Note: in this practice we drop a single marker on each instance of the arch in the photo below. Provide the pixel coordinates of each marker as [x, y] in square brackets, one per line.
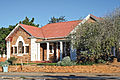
[20, 38]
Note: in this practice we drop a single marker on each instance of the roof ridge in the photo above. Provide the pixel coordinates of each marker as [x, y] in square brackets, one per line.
[66, 21]
[30, 25]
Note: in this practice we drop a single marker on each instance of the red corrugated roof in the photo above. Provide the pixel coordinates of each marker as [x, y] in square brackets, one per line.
[52, 30]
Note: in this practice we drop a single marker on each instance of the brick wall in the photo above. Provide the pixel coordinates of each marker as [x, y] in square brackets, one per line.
[76, 69]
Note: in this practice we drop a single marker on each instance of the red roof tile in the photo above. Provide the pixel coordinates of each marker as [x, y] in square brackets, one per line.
[52, 30]
[96, 17]
[34, 31]
[60, 29]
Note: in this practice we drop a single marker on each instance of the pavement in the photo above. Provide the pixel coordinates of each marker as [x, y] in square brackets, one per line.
[58, 76]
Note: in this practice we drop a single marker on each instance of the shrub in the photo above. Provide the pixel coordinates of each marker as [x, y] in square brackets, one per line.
[11, 60]
[85, 57]
[6, 63]
[101, 61]
[66, 61]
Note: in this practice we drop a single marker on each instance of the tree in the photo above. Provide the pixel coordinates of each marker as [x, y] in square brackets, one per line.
[56, 20]
[98, 38]
[27, 21]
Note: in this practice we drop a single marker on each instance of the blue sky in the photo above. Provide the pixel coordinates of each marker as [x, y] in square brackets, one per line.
[13, 11]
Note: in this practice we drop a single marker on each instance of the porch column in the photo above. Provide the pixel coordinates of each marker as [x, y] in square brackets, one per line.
[24, 50]
[47, 51]
[17, 49]
[57, 50]
[8, 49]
[61, 50]
[38, 51]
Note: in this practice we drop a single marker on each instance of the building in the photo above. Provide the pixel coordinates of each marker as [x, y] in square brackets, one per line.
[48, 43]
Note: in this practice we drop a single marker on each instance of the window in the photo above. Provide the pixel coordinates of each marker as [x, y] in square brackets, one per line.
[51, 48]
[20, 47]
[15, 50]
[27, 49]
[11, 50]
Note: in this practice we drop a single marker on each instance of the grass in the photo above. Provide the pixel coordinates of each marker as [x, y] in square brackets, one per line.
[48, 64]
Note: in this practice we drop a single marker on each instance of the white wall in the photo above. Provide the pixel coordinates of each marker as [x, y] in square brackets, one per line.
[35, 50]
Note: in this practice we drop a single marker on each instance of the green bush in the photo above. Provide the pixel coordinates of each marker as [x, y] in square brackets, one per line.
[6, 63]
[11, 60]
[101, 61]
[66, 61]
[86, 63]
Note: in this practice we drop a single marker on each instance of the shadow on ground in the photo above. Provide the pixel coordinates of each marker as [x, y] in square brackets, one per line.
[73, 77]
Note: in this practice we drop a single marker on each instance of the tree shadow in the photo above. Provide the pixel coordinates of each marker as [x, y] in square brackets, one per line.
[73, 77]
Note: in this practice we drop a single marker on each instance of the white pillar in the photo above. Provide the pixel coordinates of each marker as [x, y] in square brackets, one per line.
[33, 49]
[38, 51]
[61, 50]
[17, 50]
[8, 49]
[47, 50]
[24, 50]
[57, 50]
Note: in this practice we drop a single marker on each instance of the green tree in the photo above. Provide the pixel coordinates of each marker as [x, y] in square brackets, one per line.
[56, 20]
[98, 38]
[27, 21]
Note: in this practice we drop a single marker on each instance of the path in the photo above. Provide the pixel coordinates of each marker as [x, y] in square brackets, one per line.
[60, 76]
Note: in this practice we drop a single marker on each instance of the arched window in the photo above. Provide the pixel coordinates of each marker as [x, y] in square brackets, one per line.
[20, 47]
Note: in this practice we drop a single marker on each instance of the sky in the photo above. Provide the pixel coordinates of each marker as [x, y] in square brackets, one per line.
[13, 11]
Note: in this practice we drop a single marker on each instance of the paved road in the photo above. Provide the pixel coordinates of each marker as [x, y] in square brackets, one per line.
[60, 76]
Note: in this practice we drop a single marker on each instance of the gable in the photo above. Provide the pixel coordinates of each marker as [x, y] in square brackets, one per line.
[15, 30]
[17, 34]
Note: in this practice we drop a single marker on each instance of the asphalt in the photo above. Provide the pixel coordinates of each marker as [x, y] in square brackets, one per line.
[58, 76]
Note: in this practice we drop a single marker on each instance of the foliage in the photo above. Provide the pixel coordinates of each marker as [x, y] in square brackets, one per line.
[101, 61]
[11, 60]
[27, 21]
[99, 37]
[66, 61]
[6, 63]
[56, 20]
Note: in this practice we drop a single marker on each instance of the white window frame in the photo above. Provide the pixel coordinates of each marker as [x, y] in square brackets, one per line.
[20, 38]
